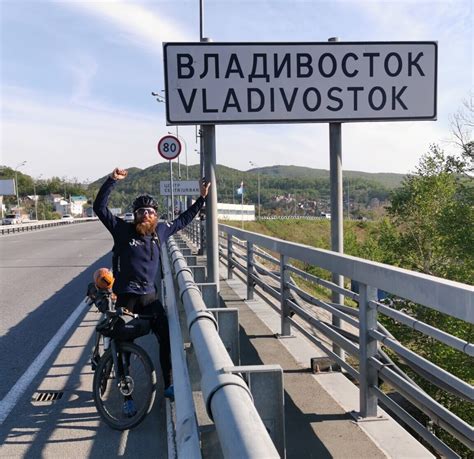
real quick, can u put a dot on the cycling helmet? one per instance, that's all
(104, 279)
(144, 200)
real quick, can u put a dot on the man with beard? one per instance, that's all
(136, 262)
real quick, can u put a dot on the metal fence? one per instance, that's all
(228, 399)
(24, 227)
(270, 263)
(186, 428)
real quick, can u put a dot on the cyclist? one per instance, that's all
(136, 262)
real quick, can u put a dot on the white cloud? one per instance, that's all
(83, 70)
(369, 147)
(79, 142)
(59, 139)
(140, 26)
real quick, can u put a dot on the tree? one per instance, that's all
(432, 211)
(462, 124)
(431, 217)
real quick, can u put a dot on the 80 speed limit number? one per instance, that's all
(169, 147)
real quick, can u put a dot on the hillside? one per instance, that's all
(283, 189)
(388, 179)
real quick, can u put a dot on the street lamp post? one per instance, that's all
(36, 197)
(16, 184)
(186, 157)
(185, 151)
(258, 186)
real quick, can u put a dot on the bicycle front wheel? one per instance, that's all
(124, 401)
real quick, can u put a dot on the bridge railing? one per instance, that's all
(269, 263)
(186, 428)
(31, 226)
(227, 397)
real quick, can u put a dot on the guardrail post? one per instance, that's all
(209, 294)
(230, 266)
(368, 348)
(250, 283)
(228, 323)
(285, 295)
(266, 385)
(199, 273)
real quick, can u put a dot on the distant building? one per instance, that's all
(61, 206)
(235, 212)
(54, 198)
(77, 204)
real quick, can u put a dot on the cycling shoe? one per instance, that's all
(169, 392)
(128, 409)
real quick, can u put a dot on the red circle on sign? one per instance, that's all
(165, 147)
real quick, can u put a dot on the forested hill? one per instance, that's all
(388, 179)
(302, 183)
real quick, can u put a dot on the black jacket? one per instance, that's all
(137, 258)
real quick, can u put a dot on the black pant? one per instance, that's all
(150, 304)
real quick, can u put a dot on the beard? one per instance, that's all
(147, 227)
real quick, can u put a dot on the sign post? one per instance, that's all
(169, 147)
(331, 82)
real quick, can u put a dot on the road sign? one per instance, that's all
(7, 187)
(169, 147)
(181, 188)
(217, 83)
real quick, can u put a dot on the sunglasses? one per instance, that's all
(143, 210)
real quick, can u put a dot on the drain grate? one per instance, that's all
(47, 396)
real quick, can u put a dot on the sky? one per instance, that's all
(76, 79)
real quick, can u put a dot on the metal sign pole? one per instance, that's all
(337, 229)
(209, 141)
(171, 190)
(201, 20)
(242, 207)
(208, 157)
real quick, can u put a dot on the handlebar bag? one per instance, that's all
(125, 331)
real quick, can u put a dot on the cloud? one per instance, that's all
(139, 25)
(369, 147)
(66, 140)
(83, 69)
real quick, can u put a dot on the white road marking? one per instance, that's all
(11, 399)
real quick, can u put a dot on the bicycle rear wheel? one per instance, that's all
(138, 383)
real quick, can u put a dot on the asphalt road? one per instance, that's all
(43, 279)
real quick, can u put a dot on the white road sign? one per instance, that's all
(217, 83)
(169, 147)
(180, 188)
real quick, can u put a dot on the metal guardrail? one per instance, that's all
(24, 227)
(228, 399)
(187, 435)
(451, 298)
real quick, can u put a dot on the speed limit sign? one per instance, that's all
(169, 147)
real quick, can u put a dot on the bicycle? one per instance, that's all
(124, 383)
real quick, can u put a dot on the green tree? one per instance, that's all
(433, 210)
(429, 230)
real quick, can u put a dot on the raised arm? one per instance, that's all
(102, 199)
